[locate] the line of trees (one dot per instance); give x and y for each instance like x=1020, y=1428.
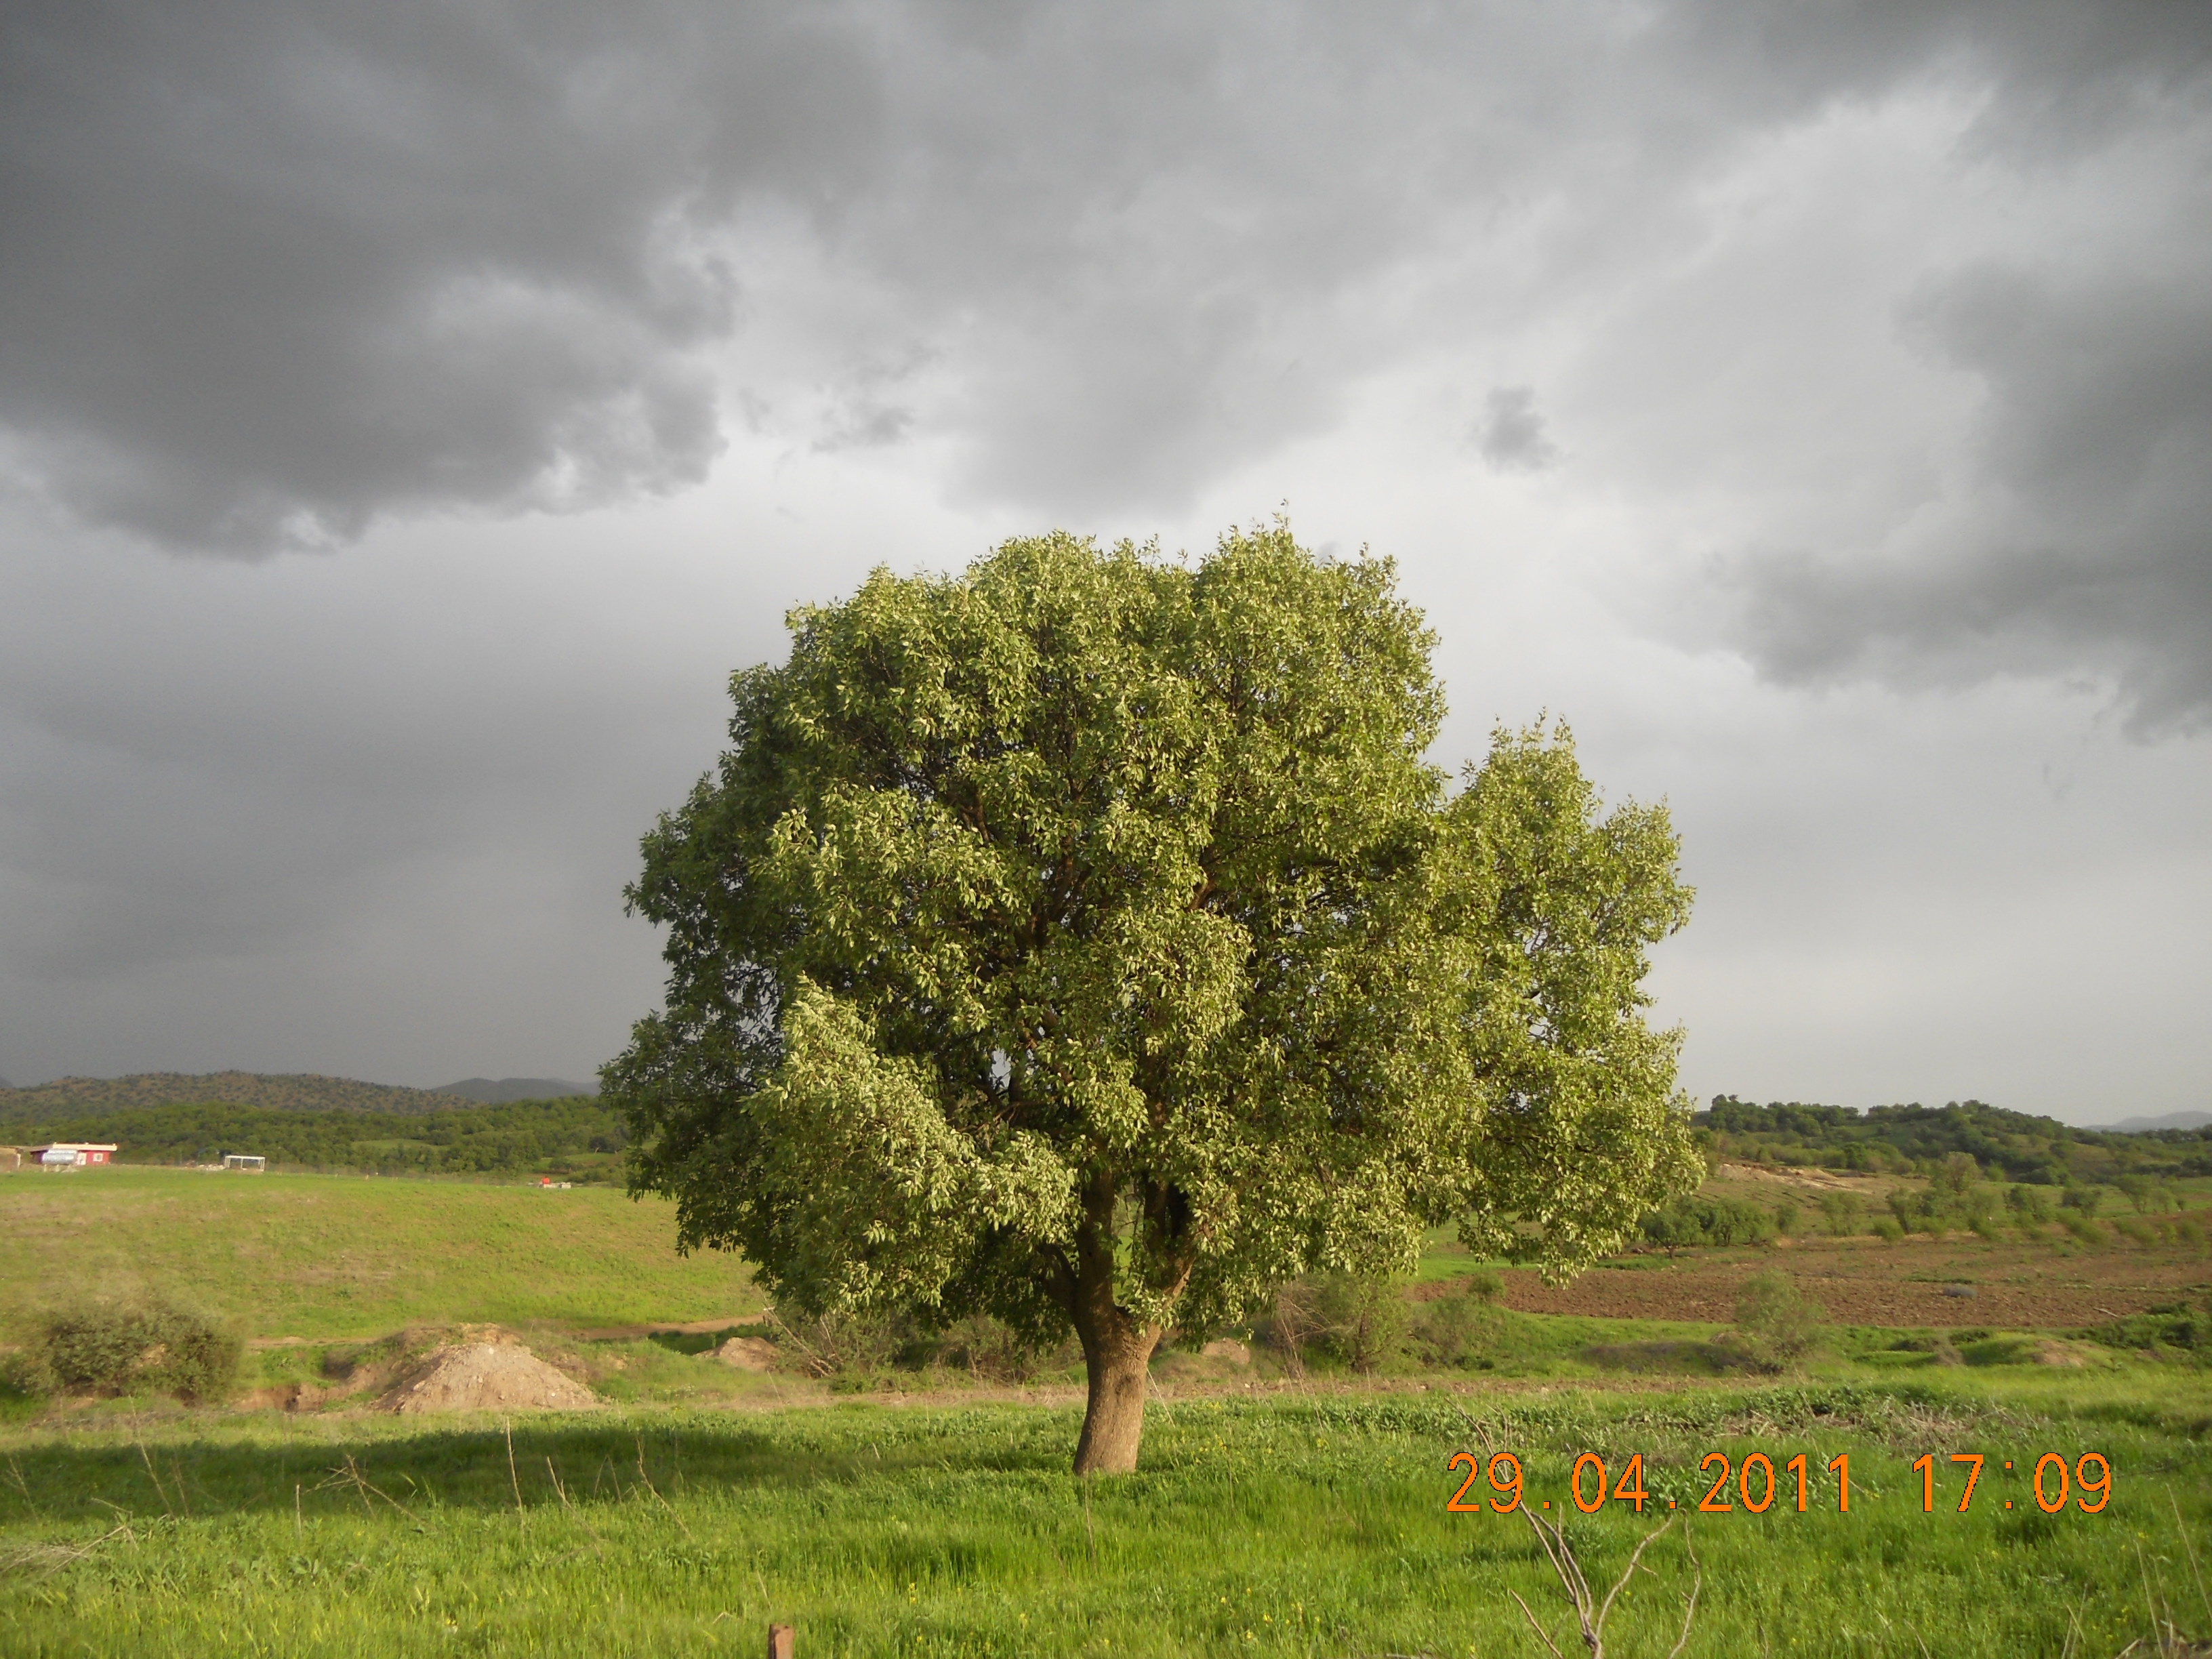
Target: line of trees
x=2037, y=1151
x=572, y=1137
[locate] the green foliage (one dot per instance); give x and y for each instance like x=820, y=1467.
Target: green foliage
x=2035, y=1206
x=71, y=1099
x=1776, y=1325
x=2013, y=1145
x=1088, y=931
x=1785, y=1218
x=142, y=1346
x=549, y=1136
x=1843, y=1213
x=1889, y=1230
x=1362, y=1321
x=1699, y=1220
x=2086, y=1200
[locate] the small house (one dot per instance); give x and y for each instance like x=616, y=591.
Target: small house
x=70, y=1154
x=247, y=1161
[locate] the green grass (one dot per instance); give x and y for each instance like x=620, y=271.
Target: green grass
x=334, y=1256
x=1305, y=1527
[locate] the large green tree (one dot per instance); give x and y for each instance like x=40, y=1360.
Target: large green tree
x=1086, y=939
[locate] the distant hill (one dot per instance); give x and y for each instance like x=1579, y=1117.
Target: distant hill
x=501, y=1091
x=2130, y=1126
x=299, y=1091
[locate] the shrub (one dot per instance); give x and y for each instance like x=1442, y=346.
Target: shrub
x=1361, y=1320
x=1449, y=1331
x=2034, y=1204
x=144, y=1346
x=2082, y=1225
x=1776, y=1325
x=1887, y=1231
x=1785, y=1218
x=1842, y=1212
x=1691, y=1222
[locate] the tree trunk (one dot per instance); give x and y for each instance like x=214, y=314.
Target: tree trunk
x=1117, y=1361
x=1117, y=1351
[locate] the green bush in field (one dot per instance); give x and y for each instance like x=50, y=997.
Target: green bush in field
x=149, y=1346
x=1776, y=1325
x=1363, y=1319
x=1785, y=1218
x=1886, y=1229
x=1842, y=1212
x=1451, y=1332
x=1696, y=1221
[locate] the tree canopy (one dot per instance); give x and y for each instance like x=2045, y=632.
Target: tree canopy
x=1087, y=940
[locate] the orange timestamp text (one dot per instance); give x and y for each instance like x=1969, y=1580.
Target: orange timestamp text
x=1753, y=1485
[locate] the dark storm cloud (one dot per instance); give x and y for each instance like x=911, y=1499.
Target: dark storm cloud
x=274, y=269
x=277, y=269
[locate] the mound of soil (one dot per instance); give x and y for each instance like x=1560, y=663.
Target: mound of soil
x=748, y=1354
x=485, y=1377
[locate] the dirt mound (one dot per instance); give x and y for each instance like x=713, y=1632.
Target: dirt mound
x=477, y=1376
x=748, y=1354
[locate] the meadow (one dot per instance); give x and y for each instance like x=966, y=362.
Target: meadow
x=1282, y=1506
x=326, y=1256
x=1312, y=1525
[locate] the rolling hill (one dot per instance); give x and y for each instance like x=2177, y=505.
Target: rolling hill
x=299, y=1092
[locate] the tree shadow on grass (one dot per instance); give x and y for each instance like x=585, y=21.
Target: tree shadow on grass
x=481, y=1465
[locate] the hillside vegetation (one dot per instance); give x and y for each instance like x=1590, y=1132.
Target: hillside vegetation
x=298, y=1091
x=572, y=1139
x=1914, y=1139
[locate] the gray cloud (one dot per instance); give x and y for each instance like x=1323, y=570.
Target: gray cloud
x=277, y=269
x=1510, y=436
x=1894, y=309
x=2091, y=540
x=291, y=267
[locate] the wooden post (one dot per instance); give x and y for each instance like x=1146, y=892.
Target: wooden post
x=779, y=1642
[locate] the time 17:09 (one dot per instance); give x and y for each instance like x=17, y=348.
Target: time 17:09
x=1756, y=1483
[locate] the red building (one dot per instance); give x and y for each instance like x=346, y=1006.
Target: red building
x=84, y=1152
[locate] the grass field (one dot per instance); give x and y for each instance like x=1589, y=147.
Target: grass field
x=1306, y=1526
x=1271, y=1513
x=335, y=1257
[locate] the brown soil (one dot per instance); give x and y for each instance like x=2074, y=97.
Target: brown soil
x=1864, y=1282
x=748, y=1354
x=485, y=1377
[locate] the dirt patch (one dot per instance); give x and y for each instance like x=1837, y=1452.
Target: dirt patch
x=748, y=1354
x=485, y=1377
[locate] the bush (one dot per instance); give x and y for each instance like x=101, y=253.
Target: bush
x=1785, y=1218
x=2082, y=1225
x=1693, y=1222
x=1842, y=1212
x=146, y=1346
x=1361, y=1320
x=1776, y=1324
x=1888, y=1231
x=2033, y=1204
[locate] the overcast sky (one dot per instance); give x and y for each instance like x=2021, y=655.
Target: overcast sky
x=410, y=414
